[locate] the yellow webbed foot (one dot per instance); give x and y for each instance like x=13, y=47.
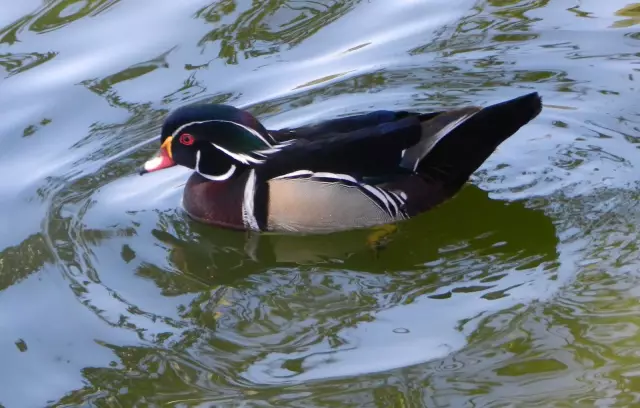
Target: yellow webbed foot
x=380, y=236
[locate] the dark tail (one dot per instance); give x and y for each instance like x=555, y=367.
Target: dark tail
x=456, y=143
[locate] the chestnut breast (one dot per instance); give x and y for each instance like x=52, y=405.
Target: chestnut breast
x=215, y=202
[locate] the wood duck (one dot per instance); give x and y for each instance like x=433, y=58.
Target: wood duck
x=359, y=171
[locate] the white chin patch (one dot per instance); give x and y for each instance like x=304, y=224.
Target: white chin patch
x=221, y=177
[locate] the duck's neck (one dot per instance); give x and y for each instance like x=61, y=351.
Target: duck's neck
x=215, y=202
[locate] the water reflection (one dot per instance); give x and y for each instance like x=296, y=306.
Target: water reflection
x=265, y=309
x=16, y=63
x=227, y=253
x=522, y=289
x=264, y=28
x=54, y=15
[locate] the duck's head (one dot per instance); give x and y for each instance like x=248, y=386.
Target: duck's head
x=217, y=141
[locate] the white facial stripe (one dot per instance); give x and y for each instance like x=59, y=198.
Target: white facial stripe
x=220, y=177
x=247, y=128
x=276, y=148
x=242, y=158
x=186, y=125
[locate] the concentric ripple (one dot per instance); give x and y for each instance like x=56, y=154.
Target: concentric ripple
x=522, y=290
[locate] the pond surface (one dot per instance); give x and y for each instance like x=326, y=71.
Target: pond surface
x=524, y=290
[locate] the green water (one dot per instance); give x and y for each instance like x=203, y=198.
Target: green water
x=523, y=291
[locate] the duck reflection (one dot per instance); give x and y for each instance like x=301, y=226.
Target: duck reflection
x=470, y=226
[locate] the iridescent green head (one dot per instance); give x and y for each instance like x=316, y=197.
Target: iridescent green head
x=215, y=140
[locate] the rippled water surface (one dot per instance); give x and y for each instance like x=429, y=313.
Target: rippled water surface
x=521, y=291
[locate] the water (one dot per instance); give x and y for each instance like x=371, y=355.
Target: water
x=521, y=291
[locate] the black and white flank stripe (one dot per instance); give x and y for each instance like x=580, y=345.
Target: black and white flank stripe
x=254, y=216
x=248, y=203
x=394, y=204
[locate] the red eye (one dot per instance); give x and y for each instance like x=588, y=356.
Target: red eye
x=186, y=139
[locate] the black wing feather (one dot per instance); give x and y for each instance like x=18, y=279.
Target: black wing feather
x=370, y=151
x=344, y=124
